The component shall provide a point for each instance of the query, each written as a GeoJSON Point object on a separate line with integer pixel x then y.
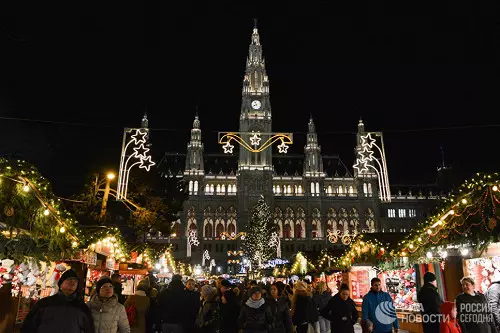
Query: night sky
{"type": "Point", "coordinates": [426, 82]}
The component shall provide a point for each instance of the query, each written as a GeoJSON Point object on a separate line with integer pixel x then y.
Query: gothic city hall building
{"type": "Point", "coordinates": [311, 195]}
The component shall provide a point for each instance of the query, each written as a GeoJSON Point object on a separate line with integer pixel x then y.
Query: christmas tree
{"type": "Point", "coordinates": [258, 236]}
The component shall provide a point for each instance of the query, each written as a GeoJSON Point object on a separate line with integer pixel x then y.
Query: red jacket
{"type": "Point", "coordinates": [448, 325]}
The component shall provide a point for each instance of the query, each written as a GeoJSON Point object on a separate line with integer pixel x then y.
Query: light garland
{"type": "Point", "coordinates": [362, 250]}
{"type": "Point", "coordinates": [470, 212]}
{"type": "Point", "coordinates": [232, 236]}
{"type": "Point", "coordinates": [301, 264]}
{"type": "Point", "coordinates": [225, 139]}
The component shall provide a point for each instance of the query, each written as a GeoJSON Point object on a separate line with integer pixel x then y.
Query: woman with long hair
{"type": "Point", "coordinates": [341, 311]}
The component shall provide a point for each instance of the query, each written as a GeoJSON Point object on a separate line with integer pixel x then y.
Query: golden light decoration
{"type": "Point", "coordinates": [225, 139]}
{"type": "Point", "coordinates": [233, 236]}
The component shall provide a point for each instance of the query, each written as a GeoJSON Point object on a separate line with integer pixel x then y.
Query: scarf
{"type": "Point", "coordinates": [69, 298]}
{"type": "Point", "coordinates": [255, 304]}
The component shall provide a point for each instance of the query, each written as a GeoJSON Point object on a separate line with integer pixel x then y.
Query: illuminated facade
{"type": "Point", "coordinates": [310, 194]}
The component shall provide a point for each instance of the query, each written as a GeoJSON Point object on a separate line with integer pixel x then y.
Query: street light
{"type": "Point", "coordinates": [109, 177]}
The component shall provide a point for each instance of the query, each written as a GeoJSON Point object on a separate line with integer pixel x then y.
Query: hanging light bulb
{"type": "Point", "coordinates": [46, 212]}
{"type": "Point", "coordinates": [429, 232]}
{"type": "Point", "coordinates": [429, 255]}
{"type": "Point", "coordinates": [419, 239]}
{"type": "Point", "coordinates": [495, 188]}
{"type": "Point", "coordinates": [26, 188]}
{"type": "Point", "coordinates": [62, 230]}
{"type": "Point", "coordinates": [464, 201]}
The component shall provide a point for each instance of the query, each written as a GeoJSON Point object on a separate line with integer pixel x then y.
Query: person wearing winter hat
{"type": "Point", "coordinates": [63, 312]}
{"type": "Point", "coordinates": [208, 316]}
{"type": "Point", "coordinates": [109, 315]}
{"type": "Point", "coordinates": [256, 315]}
{"type": "Point", "coordinates": [430, 302]}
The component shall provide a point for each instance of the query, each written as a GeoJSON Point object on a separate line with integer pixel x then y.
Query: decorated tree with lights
{"type": "Point", "coordinates": [259, 233]}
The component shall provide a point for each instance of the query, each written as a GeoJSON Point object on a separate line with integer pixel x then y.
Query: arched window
{"type": "Point", "coordinates": [351, 190]}
{"type": "Point", "coordinates": [287, 231]}
{"type": "Point", "coordinates": [289, 222]}
{"type": "Point", "coordinates": [329, 189]}
{"type": "Point", "coordinates": [231, 220]}
{"type": "Point", "coordinates": [332, 220]}
{"type": "Point", "coordinates": [300, 224]}
{"type": "Point", "coordinates": [289, 189]}
{"type": "Point", "coordinates": [212, 188]}
{"type": "Point", "coordinates": [218, 189]}
{"type": "Point", "coordinates": [316, 224]}
{"type": "Point", "coordinates": [231, 229]}
{"type": "Point", "coordinates": [317, 189]}
{"type": "Point", "coordinates": [354, 220]}
{"type": "Point", "coordinates": [207, 189]}
{"type": "Point", "coordinates": [191, 219]}
{"type": "Point", "coordinates": [208, 231]}
{"type": "Point", "coordinates": [223, 189]}
{"type": "Point", "coordinates": [370, 220]}
{"type": "Point", "coordinates": [278, 220]}
{"type": "Point", "coordinates": [313, 188]}
{"type": "Point", "coordinates": [219, 229]}
{"type": "Point", "coordinates": [208, 223]}
{"type": "Point", "coordinates": [190, 187]}
{"type": "Point", "coordinates": [370, 189]}
{"type": "Point", "coordinates": [340, 191]}
{"type": "Point", "coordinates": [195, 188]}
{"type": "Point", "coordinates": [365, 188]}
{"type": "Point", "coordinates": [343, 224]}
{"type": "Point", "coordinates": [300, 189]}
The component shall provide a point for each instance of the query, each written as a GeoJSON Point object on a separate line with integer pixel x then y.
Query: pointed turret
{"type": "Point", "coordinates": [312, 151]}
{"type": "Point", "coordinates": [255, 80]}
{"type": "Point", "coordinates": [144, 121]}
{"type": "Point", "coordinates": [194, 160]}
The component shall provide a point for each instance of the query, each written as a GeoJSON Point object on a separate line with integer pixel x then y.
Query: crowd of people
{"type": "Point", "coordinates": [223, 307]}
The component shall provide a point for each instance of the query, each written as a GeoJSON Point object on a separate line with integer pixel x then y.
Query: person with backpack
{"type": "Point", "coordinates": [137, 306]}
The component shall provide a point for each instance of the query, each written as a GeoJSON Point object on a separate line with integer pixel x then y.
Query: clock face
{"type": "Point", "coordinates": [256, 105]}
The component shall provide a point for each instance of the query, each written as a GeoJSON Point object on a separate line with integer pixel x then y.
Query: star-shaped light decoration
{"type": "Point", "coordinates": [366, 154]}
{"type": "Point", "coordinates": [367, 140]}
{"type": "Point", "coordinates": [139, 136]}
{"type": "Point", "coordinates": [255, 139]}
{"type": "Point", "coordinates": [283, 148]}
{"type": "Point", "coordinates": [228, 148]}
{"type": "Point", "coordinates": [361, 165]}
{"type": "Point", "coordinates": [146, 163]}
{"type": "Point", "coordinates": [141, 151]}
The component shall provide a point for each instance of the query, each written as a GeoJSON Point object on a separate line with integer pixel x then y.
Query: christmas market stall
{"type": "Point", "coordinates": [461, 237]}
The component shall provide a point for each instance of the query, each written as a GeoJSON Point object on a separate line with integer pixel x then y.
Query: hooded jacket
{"type": "Point", "coordinates": [59, 314]}
{"type": "Point", "coordinates": [303, 309]}
{"type": "Point", "coordinates": [449, 325]}
{"type": "Point", "coordinates": [370, 303]}
{"type": "Point", "coordinates": [109, 315]}
{"type": "Point", "coordinates": [468, 320]}
{"type": "Point", "coordinates": [493, 297]}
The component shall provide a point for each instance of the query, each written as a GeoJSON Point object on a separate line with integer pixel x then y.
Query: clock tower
{"type": "Point", "coordinates": [255, 168]}
{"type": "Point", "coordinates": [255, 107]}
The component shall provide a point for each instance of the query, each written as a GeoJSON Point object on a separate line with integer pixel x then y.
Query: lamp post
{"type": "Point", "coordinates": [109, 177]}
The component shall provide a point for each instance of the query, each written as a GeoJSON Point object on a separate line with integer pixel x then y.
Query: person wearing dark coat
{"type": "Point", "coordinates": [191, 306]}
{"type": "Point", "coordinates": [303, 310]}
{"type": "Point", "coordinates": [493, 297]}
{"type": "Point", "coordinates": [208, 319]}
{"type": "Point", "coordinates": [430, 300]}
{"type": "Point", "coordinates": [341, 311]}
{"type": "Point", "coordinates": [320, 297]}
{"type": "Point", "coordinates": [229, 308]}
{"type": "Point", "coordinates": [118, 287]}
{"type": "Point", "coordinates": [255, 315]}
{"type": "Point", "coordinates": [170, 305]}
{"type": "Point", "coordinates": [473, 313]}
{"type": "Point", "coordinates": [280, 310]}
{"type": "Point", "coordinates": [63, 312]}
